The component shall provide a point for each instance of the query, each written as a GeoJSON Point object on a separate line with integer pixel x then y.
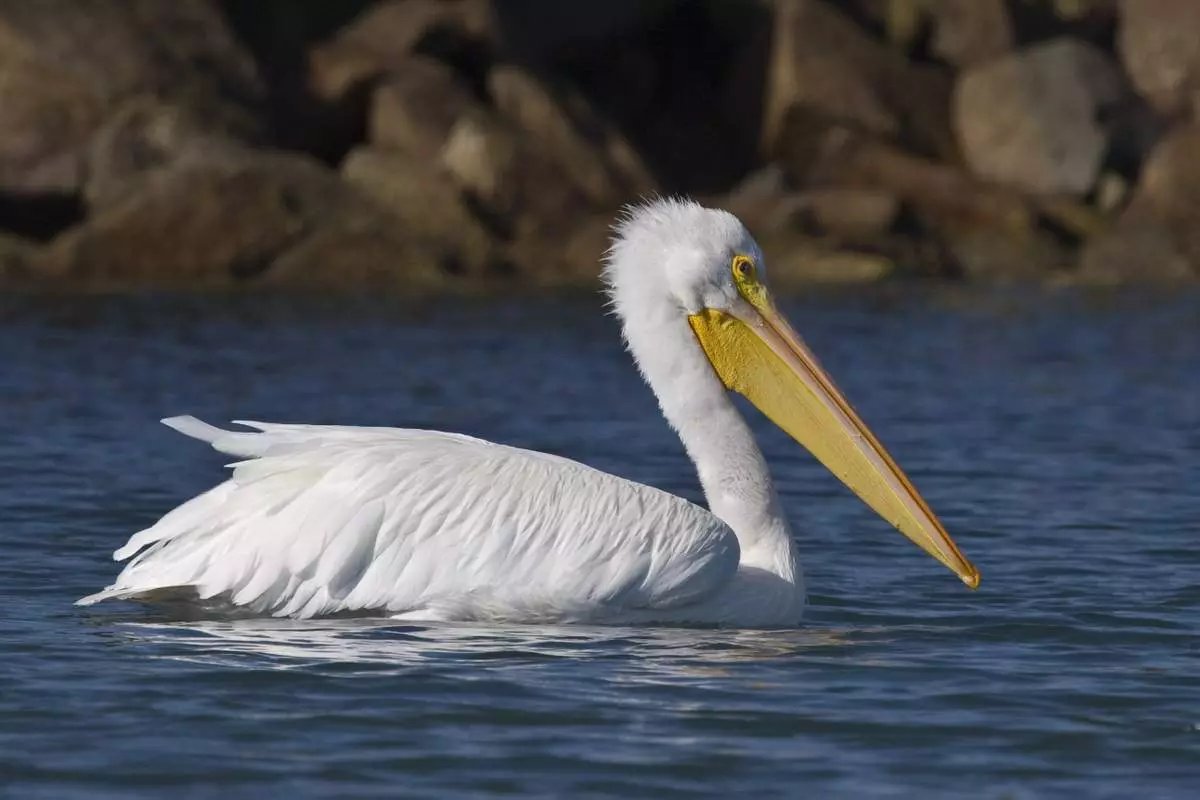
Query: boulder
{"type": "Point", "coordinates": [537, 165]}
{"type": "Point", "coordinates": [796, 261]}
{"type": "Point", "coordinates": [849, 212]}
{"type": "Point", "coordinates": [1156, 237]}
{"type": "Point", "coordinates": [987, 256]}
{"type": "Point", "coordinates": [569, 259]}
{"type": "Point", "coordinates": [1035, 119]}
{"type": "Point", "coordinates": [943, 196]}
{"type": "Point", "coordinates": [1159, 43]}
{"type": "Point", "coordinates": [766, 203]}
{"type": "Point", "coordinates": [232, 218]}
{"type": "Point", "coordinates": [488, 163]}
{"type": "Point", "coordinates": [66, 65]}
{"type": "Point", "coordinates": [416, 106]}
{"type": "Point", "coordinates": [760, 200]}
{"type": "Point", "coordinates": [425, 203]}
{"type": "Point", "coordinates": [17, 256]}
{"type": "Point", "coordinates": [824, 63]}
{"type": "Point", "coordinates": [968, 32]}
{"type": "Point", "coordinates": [142, 138]}
{"type": "Point", "coordinates": [1136, 250]}
{"type": "Point", "coordinates": [382, 39]}
{"type": "Point", "coordinates": [561, 127]}
{"type": "Point", "coordinates": [1167, 196]}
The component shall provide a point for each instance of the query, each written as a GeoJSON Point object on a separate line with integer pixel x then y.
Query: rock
{"type": "Point", "coordinates": [1159, 43]}
{"type": "Point", "coordinates": [821, 61]}
{"type": "Point", "coordinates": [382, 39]}
{"type": "Point", "coordinates": [1157, 235]}
{"type": "Point", "coordinates": [540, 164]}
{"type": "Point", "coordinates": [796, 261]}
{"type": "Point", "coordinates": [968, 32]}
{"type": "Point", "coordinates": [1167, 196]}
{"type": "Point", "coordinates": [760, 200]}
{"type": "Point", "coordinates": [1136, 250]}
{"type": "Point", "coordinates": [228, 220]}
{"type": "Point", "coordinates": [65, 65]}
{"type": "Point", "coordinates": [1034, 119]}
{"type": "Point", "coordinates": [941, 195]}
{"type": "Point", "coordinates": [425, 203]}
{"type": "Point", "coordinates": [849, 212]}
{"type": "Point", "coordinates": [416, 106]}
{"type": "Point", "coordinates": [142, 138]}
{"type": "Point", "coordinates": [768, 205]}
{"type": "Point", "coordinates": [569, 260]}
{"type": "Point", "coordinates": [485, 159]}
{"type": "Point", "coordinates": [992, 257]}
{"type": "Point", "coordinates": [17, 256]}
{"type": "Point", "coordinates": [368, 252]}
{"type": "Point", "coordinates": [565, 130]}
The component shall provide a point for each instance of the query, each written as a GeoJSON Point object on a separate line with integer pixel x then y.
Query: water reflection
{"type": "Point", "coordinates": [289, 644]}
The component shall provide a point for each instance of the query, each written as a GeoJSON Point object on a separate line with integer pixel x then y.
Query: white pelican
{"type": "Point", "coordinates": [423, 525]}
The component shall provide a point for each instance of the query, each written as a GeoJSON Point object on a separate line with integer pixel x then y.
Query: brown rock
{"type": "Point", "coordinates": [967, 32]}
{"type": "Point", "coordinates": [1159, 43]}
{"type": "Point", "coordinates": [425, 203]}
{"type": "Point", "coordinates": [16, 259]}
{"type": "Point", "coordinates": [566, 131]}
{"type": "Point", "coordinates": [994, 257]}
{"type": "Point", "coordinates": [416, 106]}
{"type": "Point", "coordinates": [382, 39]}
{"type": "Point", "coordinates": [1136, 250]}
{"type": "Point", "coordinates": [1032, 119]}
{"type": "Point", "coordinates": [368, 252]}
{"type": "Point", "coordinates": [850, 212]}
{"type": "Point", "coordinates": [485, 157]}
{"type": "Point", "coordinates": [142, 138]}
{"type": "Point", "coordinates": [533, 184]}
{"type": "Point", "coordinates": [65, 64]}
{"type": "Point", "coordinates": [823, 62]}
{"type": "Point", "coordinates": [570, 260]}
{"type": "Point", "coordinates": [225, 220]}
{"type": "Point", "coordinates": [1167, 197]}
{"type": "Point", "coordinates": [767, 205]}
{"type": "Point", "coordinates": [761, 199]}
{"type": "Point", "coordinates": [944, 196]}
{"type": "Point", "coordinates": [796, 260]}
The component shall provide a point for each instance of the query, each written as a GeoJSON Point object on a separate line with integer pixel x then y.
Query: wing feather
{"type": "Point", "coordinates": [318, 519]}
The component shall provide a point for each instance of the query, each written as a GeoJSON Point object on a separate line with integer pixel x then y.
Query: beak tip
{"type": "Point", "coordinates": [971, 578]}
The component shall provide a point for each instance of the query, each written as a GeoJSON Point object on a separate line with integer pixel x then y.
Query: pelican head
{"type": "Point", "coordinates": [690, 286]}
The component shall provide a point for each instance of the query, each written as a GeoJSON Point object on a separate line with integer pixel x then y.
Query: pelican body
{"type": "Point", "coordinates": [423, 525]}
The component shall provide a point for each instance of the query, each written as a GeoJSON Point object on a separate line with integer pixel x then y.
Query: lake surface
{"type": "Point", "coordinates": [1056, 434]}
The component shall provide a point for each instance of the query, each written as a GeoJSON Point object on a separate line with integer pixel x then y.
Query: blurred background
{"type": "Point", "coordinates": [420, 145]}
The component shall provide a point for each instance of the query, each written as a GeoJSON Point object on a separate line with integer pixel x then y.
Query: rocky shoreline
{"type": "Point", "coordinates": [432, 145]}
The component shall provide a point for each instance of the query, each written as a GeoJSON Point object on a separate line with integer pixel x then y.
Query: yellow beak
{"type": "Point", "coordinates": [757, 354]}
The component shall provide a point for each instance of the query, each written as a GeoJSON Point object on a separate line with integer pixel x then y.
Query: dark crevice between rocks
{"type": "Point", "coordinates": [469, 58]}
{"type": "Point", "coordinates": [40, 217]}
{"type": "Point", "coordinates": [1037, 22]}
{"type": "Point", "coordinates": [280, 34]}
{"type": "Point", "coordinates": [495, 223]}
{"type": "Point", "coordinates": [666, 88]}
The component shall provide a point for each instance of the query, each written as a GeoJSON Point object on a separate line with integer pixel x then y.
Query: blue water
{"type": "Point", "coordinates": [1056, 434]}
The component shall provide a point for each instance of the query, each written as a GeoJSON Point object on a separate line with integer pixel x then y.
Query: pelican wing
{"type": "Point", "coordinates": [322, 519]}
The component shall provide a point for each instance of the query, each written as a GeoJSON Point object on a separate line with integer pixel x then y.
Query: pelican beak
{"type": "Point", "coordinates": [757, 354]}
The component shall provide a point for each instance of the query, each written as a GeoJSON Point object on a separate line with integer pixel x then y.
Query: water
{"type": "Point", "coordinates": [1055, 434]}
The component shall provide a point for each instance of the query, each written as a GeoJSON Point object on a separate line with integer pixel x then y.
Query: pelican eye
{"type": "Point", "coordinates": [743, 268]}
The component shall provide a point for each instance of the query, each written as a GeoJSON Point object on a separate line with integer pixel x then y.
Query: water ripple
{"type": "Point", "coordinates": [1056, 435]}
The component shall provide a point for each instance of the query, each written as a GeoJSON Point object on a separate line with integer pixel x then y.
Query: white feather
{"type": "Point", "coordinates": [341, 519]}
{"type": "Point", "coordinates": [320, 520]}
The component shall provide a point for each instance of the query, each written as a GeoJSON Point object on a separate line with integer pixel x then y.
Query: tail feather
{"type": "Point", "coordinates": [244, 444]}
